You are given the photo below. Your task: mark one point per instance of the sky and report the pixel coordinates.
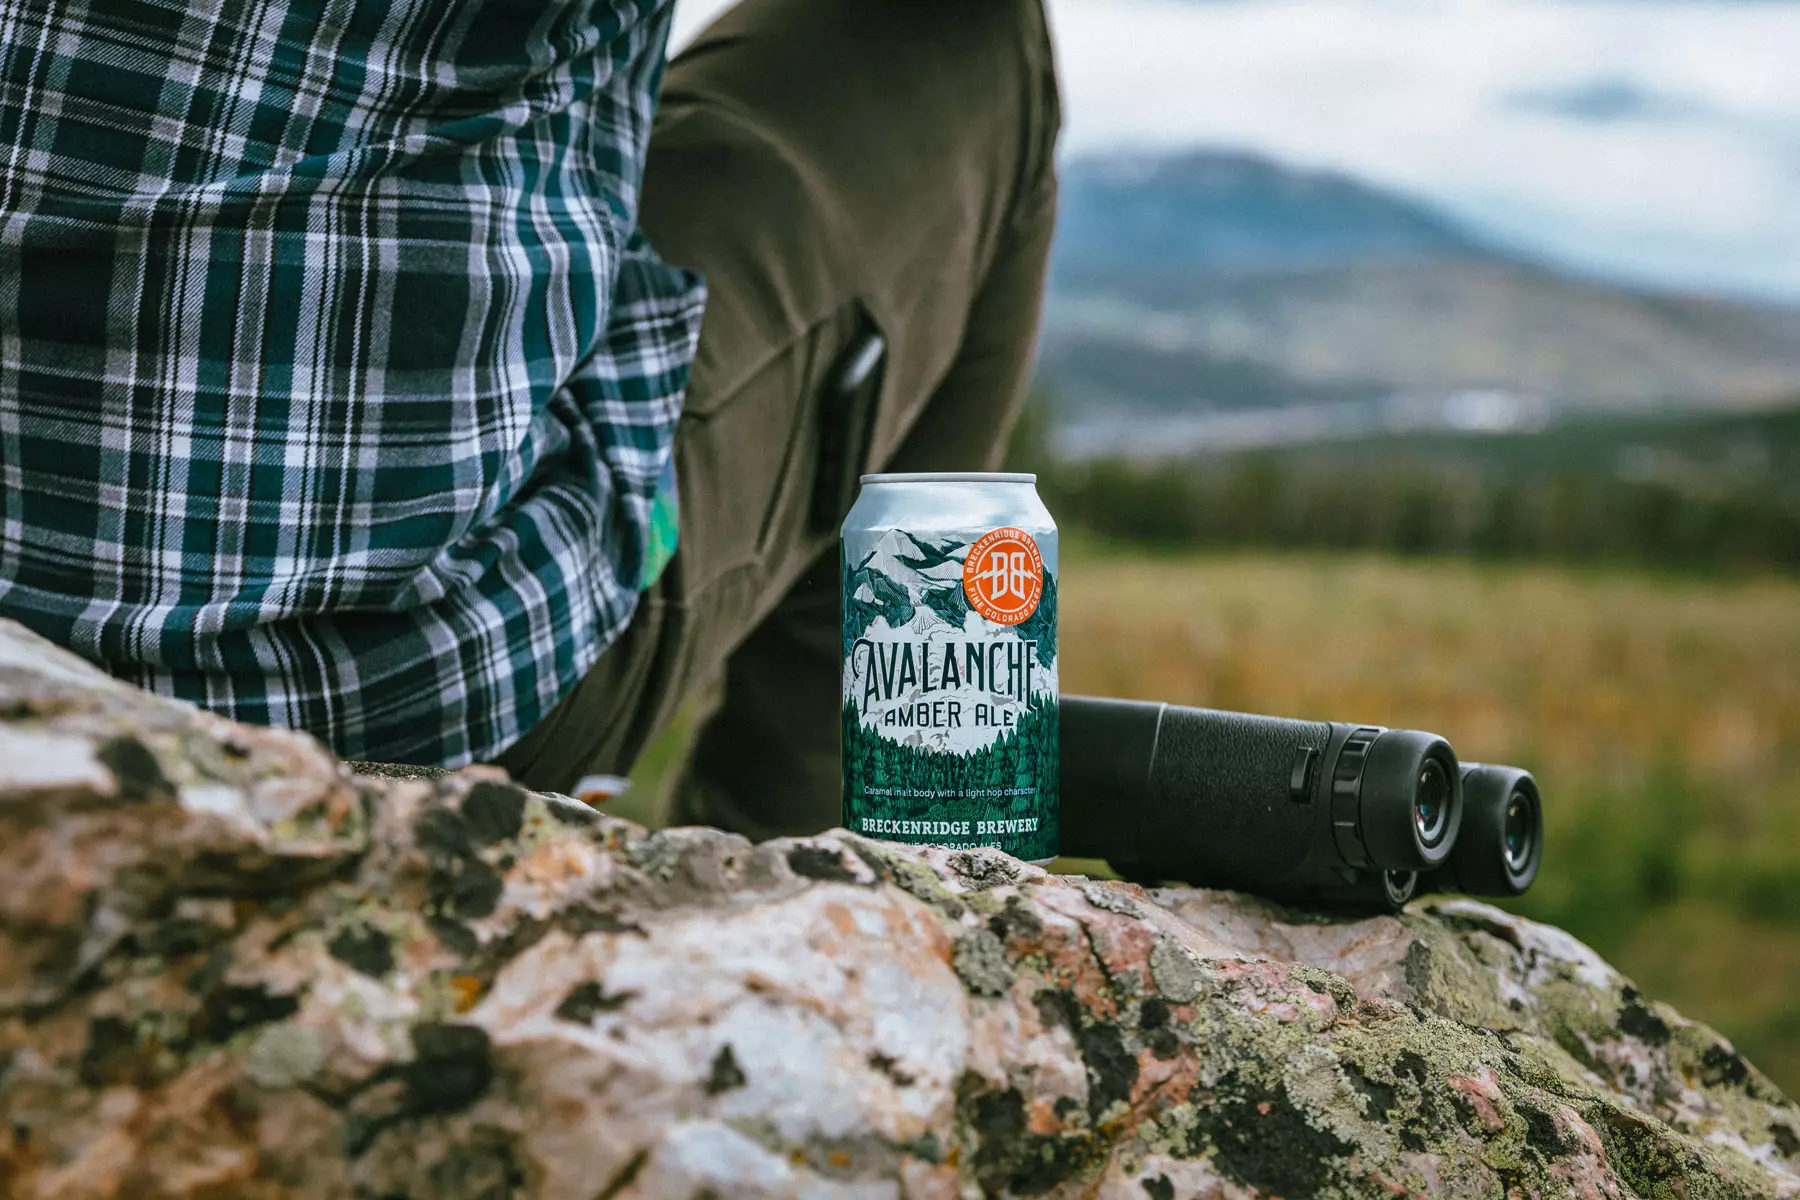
(1652, 141)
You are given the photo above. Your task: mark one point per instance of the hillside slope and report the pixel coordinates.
(1218, 281)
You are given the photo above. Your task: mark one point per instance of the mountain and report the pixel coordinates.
(1214, 298)
(886, 587)
(902, 574)
(905, 588)
(1215, 212)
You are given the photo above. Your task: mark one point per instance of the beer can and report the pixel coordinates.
(949, 663)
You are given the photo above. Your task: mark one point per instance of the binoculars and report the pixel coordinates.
(1324, 815)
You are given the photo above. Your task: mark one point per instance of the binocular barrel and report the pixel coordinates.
(1496, 854)
(1502, 840)
(1326, 814)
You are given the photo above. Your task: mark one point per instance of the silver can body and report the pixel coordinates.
(950, 663)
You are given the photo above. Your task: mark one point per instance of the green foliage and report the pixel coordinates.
(1708, 494)
(1023, 759)
(1687, 886)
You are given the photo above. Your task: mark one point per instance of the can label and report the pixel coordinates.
(950, 717)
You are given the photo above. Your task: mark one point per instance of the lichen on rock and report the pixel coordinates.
(230, 967)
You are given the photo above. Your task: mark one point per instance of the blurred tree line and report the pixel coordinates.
(1553, 495)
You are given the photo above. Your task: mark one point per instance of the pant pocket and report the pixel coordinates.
(746, 463)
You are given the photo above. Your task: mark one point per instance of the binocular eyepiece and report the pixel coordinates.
(1314, 813)
(1502, 838)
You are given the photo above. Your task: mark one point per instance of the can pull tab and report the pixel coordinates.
(1300, 781)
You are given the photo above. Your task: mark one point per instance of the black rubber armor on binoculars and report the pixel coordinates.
(1314, 813)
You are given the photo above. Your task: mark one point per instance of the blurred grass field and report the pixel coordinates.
(1661, 714)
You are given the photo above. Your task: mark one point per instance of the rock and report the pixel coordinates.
(229, 967)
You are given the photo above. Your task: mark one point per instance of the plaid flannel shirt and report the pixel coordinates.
(335, 381)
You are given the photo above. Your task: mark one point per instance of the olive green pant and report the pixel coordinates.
(825, 163)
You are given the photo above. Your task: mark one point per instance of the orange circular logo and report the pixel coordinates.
(1003, 576)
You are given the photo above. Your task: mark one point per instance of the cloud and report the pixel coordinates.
(1423, 95)
(1653, 140)
(691, 16)
(1604, 100)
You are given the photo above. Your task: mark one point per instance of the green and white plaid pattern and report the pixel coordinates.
(335, 382)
